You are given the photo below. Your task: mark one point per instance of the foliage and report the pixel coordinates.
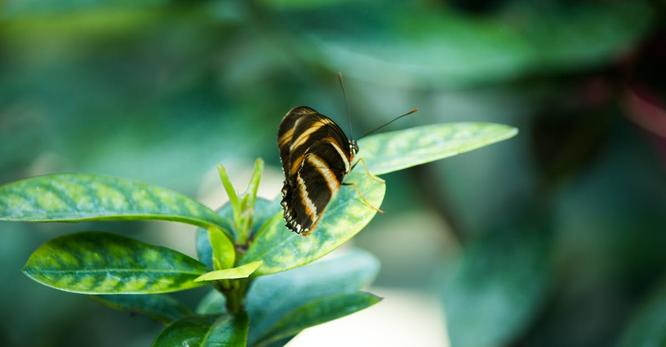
(162, 91)
(505, 271)
(646, 329)
(239, 247)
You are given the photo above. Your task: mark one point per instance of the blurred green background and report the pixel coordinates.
(554, 238)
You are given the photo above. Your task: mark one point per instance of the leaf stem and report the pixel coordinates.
(234, 291)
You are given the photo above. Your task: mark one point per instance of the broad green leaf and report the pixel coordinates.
(503, 277)
(78, 197)
(447, 48)
(648, 327)
(160, 307)
(344, 273)
(242, 271)
(317, 311)
(227, 331)
(397, 150)
(187, 332)
(346, 215)
(103, 263)
(205, 331)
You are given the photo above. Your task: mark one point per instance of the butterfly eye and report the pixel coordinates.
(353, 146)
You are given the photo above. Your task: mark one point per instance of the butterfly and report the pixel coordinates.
(316, 155)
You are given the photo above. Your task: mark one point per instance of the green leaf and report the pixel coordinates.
(397, 150)
(242, 271)
(204, 250)
(234, 201)
(270, 225)
(448, 48)
(264, 210)
(318, 311)
(503, 277)
(280, 342)
(227, 331)
(212, 303)
(205, 331)
(224, 252)
(344, 273)
(648, 327)
(187, 332)
(253, 186)
(79, 197)
(264, 213)
(102, 263)
(346, 215)
(160, 307)
(248, 202)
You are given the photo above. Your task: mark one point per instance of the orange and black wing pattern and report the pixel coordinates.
(315, 155)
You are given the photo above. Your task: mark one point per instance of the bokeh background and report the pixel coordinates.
(553, 238)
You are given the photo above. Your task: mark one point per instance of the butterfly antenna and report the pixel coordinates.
(414, 110)
(344, 96)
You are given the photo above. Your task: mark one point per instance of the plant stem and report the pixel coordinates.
(234, 291)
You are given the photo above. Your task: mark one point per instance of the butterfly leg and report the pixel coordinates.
(362, 197)
(367, 171)
(358, 192)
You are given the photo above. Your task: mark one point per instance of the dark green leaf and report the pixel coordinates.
(397, 150)
(227, 331)
(280, 343)
(444, 48)
(502, 278)
(213, 303)
(102, 263)
(32, 7)
(205, 331)
(346, 273)
(160, 307)
(78, 197)
(347, 214)
(318, 311)
(648, 327)
(187, 332)
(204, 251)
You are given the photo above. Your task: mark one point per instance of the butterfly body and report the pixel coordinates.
(316, 155)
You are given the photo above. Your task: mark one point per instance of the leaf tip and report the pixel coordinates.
(375, 299)
(512, 131)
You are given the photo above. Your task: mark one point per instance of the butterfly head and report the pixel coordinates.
(353, 147)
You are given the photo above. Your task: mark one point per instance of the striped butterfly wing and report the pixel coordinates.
(315, 156)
